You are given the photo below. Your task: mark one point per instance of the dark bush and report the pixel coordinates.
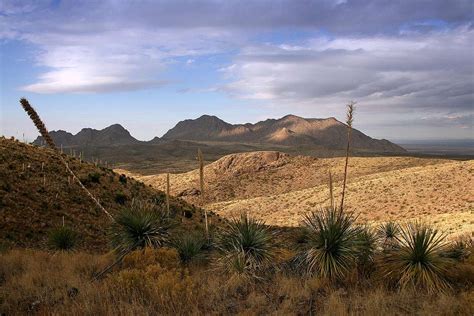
(123, 179)
(120, 198)
(93, 177)
(62, 238)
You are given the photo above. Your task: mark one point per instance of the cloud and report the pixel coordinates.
(102, 46)
(428, 71)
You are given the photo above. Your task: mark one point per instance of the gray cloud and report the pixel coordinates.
(354, 16)
(424, 71)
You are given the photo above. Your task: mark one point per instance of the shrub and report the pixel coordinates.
(62, 238)
(142, 258)
(120, 198)
(246, 246)
(139, 227)
(332, 243)
(190, 247)
(123, 179)
(367, 247)
(418, 259)
(93, 177)
(389, 232)
(460, 250)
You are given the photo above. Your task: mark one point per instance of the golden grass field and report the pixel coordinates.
(153, 282)
(280, 189)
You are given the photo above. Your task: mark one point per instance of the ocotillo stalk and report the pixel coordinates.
(349, 121)
(168, 193)
(44, 132)
(201, 182)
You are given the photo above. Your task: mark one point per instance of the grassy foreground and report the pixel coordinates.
(154, 281)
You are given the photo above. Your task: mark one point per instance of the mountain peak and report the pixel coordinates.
(291, 117)
(114, 134)
(290, 130)
(116, 127)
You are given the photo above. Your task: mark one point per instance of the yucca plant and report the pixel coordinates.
(389, 232)
(62, 238)
(190, 247)
(333, 243)
(418, 259)
(460, 249)
(366, 244)
(246, 246)
(366, 248)
(139, 227)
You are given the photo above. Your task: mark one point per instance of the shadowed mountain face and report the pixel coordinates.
(109, 136)
(289, 130)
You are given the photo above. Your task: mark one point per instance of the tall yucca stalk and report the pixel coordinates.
(349, 121)
(38, 122)
(168, 193)
(44, 132)
(201, 184)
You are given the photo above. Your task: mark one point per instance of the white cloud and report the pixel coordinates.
(114, 60)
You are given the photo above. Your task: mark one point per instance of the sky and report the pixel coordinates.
(409, 65)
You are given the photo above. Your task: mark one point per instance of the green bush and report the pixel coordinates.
(62, 238)
(139, 227)
(246, 246)
(460, 249)
(333, 243)
(389, 232)
(418, 259)
(190, 247)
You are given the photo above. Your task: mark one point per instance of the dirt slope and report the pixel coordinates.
(254, 174)
(36, 194)
(280, 188)
(441, 194)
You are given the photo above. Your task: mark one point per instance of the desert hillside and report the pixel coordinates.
(280, 188)
(37, 194)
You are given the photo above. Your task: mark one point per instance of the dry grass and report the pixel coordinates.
(153, 282)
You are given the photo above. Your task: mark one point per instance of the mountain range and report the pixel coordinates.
(289, 130)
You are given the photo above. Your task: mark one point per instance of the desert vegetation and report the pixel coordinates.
(165, 257)
(249, 268)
